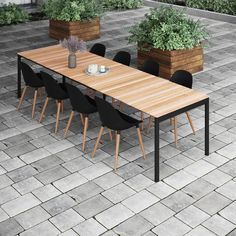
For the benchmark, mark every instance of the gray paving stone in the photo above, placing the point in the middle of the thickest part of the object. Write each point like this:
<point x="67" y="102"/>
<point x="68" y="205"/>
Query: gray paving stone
<point x="58" y="146"/>
<point x="35" y="155"/>
<point x="77" y="164"/>
<point x="135" y="225"/>
<point x="179" y="179"/>
<point x="69" y="232"/>
<point x="90" y="227"/>
<point x="3" y="215"/>
<point x="93" y="206"/>
<point x="69" y="154"/>
<point x="217" y="178"/>
<point x="157" y="213"/>
<point x="58" y="204"/>
<point x="171" y="227"/>
<point x="22" y="173"/>
<point x="7" y="194"/>
<point x="229" y="212"/>
<point x="69" y="182"/>
<point x="12" y="164"/>
<point x="178" y="201"/>
<point x="32" y="217"/>
<point x="52" y="174"/>
<point x="216" y="159"/>
<point x="192" y="216"/>
<point x="114" y="216"/>
<point x="108" y="180"/>
<point x="139" y="182"/>
<point x="45" y="228"/>
<point x="212" y="203"/>
<point x="85" y="191"/>
<point x="20" y="204"/>
<point x="10" y="227"/>
<point x="130" y="170"/>
<point x="179" y="162"/>
<point x="140" y="201"/>
<point x="46" y="192"/>
<point x="219" y="225"/>
<point x="27" y="185"/>
<point x="66" y="220"/>
<point x="229" y="168"/>
<point x="161" y="190"/>
<point x="3" y="156"/>
<point x="118" y="193"/>
<point x="228" y="190"/>
<point x="200" y="230"/>
<point x="228" y="151"/>
<point x="198" y="188"/>
<point x="232" y="233"/>
<point x="95" y="171"/>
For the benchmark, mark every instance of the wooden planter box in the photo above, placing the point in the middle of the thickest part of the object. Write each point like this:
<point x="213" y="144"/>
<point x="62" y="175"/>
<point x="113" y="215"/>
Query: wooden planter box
<point x="170" y="61"/>
<point x="86" y="30"/>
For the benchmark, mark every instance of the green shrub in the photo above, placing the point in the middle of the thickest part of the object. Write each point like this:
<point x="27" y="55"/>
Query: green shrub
<point x="121" y="4"/>
<point x="72" y="10"/>
<point x="168" y="29"/>
<point x="222" y="6"/>
<point x="12" y="14"/>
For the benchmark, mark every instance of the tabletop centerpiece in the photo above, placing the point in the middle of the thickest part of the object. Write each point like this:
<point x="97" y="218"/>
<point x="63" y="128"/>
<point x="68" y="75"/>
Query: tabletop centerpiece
<point x="172" y="39"/>
<point x="73" y="44"/>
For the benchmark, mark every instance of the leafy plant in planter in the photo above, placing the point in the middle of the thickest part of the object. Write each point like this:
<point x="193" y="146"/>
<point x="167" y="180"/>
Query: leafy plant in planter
<point x="167" y="31"/>
<point x="12" y="14"/>
<point x="74" y="17"/>
<point x="122" y="4"/>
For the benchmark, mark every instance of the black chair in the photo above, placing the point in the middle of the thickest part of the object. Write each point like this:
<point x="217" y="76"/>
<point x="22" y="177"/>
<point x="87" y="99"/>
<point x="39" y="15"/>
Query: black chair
<point x="98" y="49"/>
<point x="123" y="58"/>
<point x="117" y="121"/>
<point x="56" y="91"/>
<point x="82" y="104"/>
<point x="151" y="67"/>
<point x="184" y="78"/>
<point x="32" y="80"/>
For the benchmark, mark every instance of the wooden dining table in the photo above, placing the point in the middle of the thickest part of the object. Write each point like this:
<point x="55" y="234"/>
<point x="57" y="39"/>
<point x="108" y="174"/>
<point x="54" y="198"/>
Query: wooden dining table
<point x="153" y="95"/>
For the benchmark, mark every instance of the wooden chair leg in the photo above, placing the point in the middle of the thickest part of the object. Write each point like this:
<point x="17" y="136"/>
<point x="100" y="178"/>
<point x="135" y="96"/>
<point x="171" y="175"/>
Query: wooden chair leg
<point x="142" y="119"/>
<point x="34" y="102"/>
<point x="44" y="109"/>
<point x="85" y="132"/>
<point x="149" y="123"/>
<point x="22" y="97"/>
<point x="97" y="141"/>
<point x="82" y="118"/>
<point x="175" y="131"/>
<point x="190" y="122"/>
<point x="117" y="150"/>
<point x="58" y="115"/>
<point x="110" y="134"/>
<point x="69" y="123"/>
<point x="141" y="142"/>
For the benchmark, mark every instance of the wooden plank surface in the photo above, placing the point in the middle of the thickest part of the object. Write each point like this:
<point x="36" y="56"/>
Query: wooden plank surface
<point x="145" y="92"/>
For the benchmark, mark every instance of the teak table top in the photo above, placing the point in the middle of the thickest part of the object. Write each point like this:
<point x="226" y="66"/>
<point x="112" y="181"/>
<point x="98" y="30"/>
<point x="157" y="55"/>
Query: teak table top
<point x="150" y="94"/>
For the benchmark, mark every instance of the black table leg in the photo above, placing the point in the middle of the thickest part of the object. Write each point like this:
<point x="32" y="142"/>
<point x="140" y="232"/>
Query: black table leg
<point x="156" y="152"/>
<point x="207" y="127"/>
<point x="18" y="76"/>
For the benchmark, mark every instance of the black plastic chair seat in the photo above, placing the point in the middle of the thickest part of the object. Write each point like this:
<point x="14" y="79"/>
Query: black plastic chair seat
<point x="65" y="95"/>
<point x="130" y="120"/>
<point x="90" y="109"/>
<point x="38" y="83"/>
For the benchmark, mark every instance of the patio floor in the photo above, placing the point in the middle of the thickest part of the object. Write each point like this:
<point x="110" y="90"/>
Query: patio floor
<point x="48" y="186"/>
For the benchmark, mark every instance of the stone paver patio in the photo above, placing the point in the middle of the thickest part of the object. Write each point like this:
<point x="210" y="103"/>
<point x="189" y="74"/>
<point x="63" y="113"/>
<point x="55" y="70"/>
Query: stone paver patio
<point x="48" y="186"/>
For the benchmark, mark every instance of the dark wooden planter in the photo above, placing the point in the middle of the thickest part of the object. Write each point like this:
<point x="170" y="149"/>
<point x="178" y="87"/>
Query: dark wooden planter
<point x="170" y="61"/>
<point x="86" y="30"/>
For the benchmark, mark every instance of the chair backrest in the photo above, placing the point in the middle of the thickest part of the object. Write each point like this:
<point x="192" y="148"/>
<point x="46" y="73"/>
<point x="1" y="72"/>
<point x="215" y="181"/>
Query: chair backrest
<point x="182" y="77"/>
<point x="150" y="66"/>
<point x="78" y="100"/>
<point x="109" y="116"/>
<point x="30" y="77"/>
<point x="98" y="49"/>
<point x="53" y="89"/>
<point x="123" y="58"/>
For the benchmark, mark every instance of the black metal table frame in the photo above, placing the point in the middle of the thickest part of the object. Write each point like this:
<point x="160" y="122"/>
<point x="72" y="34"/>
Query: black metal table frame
<point x="204" y="102"/>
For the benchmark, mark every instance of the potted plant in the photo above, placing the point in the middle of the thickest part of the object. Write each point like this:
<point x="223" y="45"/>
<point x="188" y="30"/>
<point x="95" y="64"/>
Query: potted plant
<point x="73" y="17"/>
<point x="73" y="44"/>
<point x="172" y="39"/>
